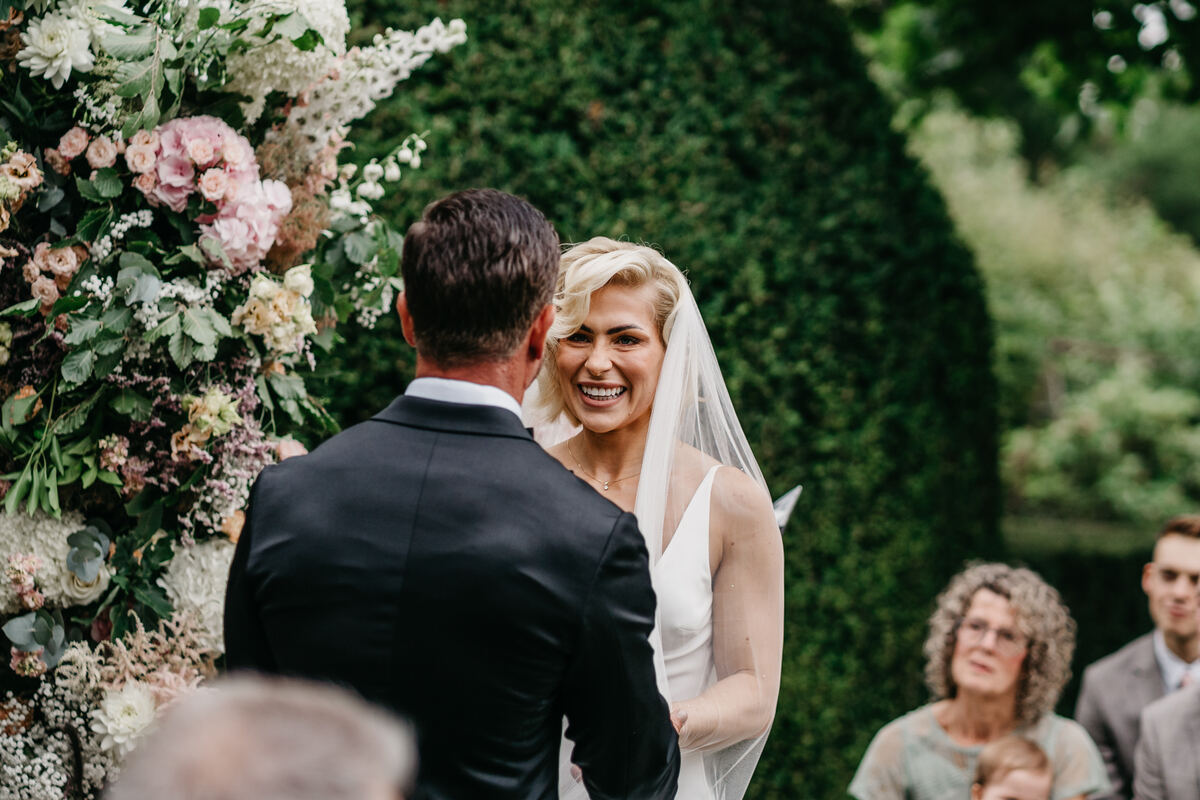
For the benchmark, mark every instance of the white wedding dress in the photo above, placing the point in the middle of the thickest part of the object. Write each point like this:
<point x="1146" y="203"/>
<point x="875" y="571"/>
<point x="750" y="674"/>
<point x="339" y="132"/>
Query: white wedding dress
<point x="683" y="583"/>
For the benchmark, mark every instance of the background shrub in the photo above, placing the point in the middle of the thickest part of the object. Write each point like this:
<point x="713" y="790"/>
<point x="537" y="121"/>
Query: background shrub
<point x="748" y="143"/>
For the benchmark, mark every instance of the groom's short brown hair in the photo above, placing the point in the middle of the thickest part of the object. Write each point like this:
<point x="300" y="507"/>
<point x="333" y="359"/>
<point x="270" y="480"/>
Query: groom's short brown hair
<point x="477" y="269"/>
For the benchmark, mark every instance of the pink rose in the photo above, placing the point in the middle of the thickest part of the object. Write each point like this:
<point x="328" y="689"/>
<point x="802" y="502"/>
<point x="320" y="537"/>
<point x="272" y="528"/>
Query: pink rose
<point x="140" y="158"/>
<point x="200" y="151"/>
<point x="101" y="153"/>
<point x="31" y="271"/>
<point x="56" y="161"/>
<point x="45" y="291"/>
<point x="120" y="144"/>
<point x="73" y="143"/>
<point x="214" y="184"/>
<point x="58" y="261"/>
<point x="145" y="138"/>
<point x="146" y="183"/>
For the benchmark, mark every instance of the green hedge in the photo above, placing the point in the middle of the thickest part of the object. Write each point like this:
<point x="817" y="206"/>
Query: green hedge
<point x="748" y="143"/>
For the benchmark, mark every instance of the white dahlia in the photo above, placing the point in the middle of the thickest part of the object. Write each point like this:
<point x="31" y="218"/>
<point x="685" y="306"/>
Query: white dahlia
<point x="54" y="45"/>
<point x="123" y="717"/>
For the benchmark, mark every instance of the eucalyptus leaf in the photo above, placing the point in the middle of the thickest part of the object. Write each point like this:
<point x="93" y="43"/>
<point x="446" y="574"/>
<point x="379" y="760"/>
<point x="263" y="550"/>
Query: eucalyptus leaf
<point x="49" y="197"/>
<point x="84" y="564"/>
<point x="19" y="631"/>
<point x="144" y="290"/>
<point x="359" y="247"/>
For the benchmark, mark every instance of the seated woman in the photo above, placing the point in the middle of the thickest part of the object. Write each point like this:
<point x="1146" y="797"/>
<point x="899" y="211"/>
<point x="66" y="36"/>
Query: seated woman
<point x="998" y="653"/>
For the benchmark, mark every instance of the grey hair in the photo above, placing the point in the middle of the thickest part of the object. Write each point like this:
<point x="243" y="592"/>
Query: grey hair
<point x="1041" y="616"/>
<point x="249" y="738"/>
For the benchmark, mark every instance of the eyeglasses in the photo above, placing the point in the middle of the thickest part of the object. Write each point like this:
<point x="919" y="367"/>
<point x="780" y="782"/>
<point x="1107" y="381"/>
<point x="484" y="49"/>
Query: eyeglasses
<point x="1009" y="643"/>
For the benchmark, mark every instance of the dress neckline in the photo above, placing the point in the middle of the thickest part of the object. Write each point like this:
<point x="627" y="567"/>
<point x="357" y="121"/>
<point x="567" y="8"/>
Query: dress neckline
<point x="703" y="488"/>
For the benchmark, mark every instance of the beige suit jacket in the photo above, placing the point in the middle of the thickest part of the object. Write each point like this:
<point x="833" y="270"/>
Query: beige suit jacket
<point x="1168" y="767"/>
<point x="1114" y="692"/>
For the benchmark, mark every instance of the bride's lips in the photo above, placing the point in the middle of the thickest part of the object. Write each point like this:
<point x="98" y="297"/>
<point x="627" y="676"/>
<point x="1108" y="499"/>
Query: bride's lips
<point x="616" y="392"/>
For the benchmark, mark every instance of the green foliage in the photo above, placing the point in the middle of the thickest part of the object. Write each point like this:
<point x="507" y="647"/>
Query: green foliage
<point x="1095" y="308"/>
<point x="747" y="141"/>
<point x="1157" y="162"/>
<point x="1058" y="68"/>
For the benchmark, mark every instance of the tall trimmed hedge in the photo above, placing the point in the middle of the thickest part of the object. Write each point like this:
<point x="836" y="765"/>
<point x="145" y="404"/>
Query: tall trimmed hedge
<point x="748" y="143"/>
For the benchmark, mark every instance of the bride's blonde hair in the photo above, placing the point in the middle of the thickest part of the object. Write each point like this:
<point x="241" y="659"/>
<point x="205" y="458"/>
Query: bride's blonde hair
<point x="584" y="270"/>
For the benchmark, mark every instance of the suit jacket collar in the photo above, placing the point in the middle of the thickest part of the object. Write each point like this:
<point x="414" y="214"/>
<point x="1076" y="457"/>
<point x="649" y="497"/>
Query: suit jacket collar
<point x="434" y="415"/>
<point x="1145" y="662"/>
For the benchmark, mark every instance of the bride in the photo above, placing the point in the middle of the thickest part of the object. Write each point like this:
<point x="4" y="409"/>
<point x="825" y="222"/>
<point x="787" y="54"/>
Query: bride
<point x="629" y="364"/>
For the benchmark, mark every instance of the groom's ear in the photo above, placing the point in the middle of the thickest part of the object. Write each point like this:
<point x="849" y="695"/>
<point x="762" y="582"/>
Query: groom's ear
<point x="406" y="321"/>
<point x="539" y="331"/>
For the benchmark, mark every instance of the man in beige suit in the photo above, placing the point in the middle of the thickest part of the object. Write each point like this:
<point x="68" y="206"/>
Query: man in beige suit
<point x="1167" y="764"/>
<point x="1119" y="686"/>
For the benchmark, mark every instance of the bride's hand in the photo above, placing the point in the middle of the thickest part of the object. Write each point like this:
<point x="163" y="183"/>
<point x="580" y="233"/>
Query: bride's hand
<point x="694" y="721"/>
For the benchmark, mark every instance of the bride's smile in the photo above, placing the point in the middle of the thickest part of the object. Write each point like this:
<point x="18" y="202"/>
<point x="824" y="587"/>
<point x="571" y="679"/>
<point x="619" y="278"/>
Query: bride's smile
<point x="609" y="367"/>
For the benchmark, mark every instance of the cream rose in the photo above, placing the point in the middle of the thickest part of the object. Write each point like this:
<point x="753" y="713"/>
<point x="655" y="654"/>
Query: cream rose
<point x="213" y="184"/>
<point x="200" y="151"/>
<point x="101" y="153"/>
<point x="77" y="593"/>
<point x="45" y="291"/>
<point x="140" y="158"/>
<point x="144" y="138"/>
<point x="299" y="280"/>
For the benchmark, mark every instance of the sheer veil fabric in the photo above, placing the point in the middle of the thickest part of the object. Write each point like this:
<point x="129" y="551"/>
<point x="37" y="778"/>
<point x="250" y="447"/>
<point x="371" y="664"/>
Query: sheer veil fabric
<point x="692" y="412"/>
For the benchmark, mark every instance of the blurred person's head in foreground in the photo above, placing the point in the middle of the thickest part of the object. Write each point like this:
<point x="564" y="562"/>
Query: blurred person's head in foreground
<point x="1012" y="768"/>
<point x="248" y="738"/>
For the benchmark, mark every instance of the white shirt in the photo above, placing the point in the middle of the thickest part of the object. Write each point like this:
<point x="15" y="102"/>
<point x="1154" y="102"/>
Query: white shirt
<point x="1172" y="667"/>
<point x="447" y="390"/>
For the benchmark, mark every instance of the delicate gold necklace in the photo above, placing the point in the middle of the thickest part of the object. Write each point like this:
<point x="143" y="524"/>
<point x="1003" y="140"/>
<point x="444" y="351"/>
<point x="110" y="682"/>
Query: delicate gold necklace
<point x="593" y="477"/>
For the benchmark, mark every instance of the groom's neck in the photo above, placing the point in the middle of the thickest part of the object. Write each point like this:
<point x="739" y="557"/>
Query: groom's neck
<point x="508" y="375"/>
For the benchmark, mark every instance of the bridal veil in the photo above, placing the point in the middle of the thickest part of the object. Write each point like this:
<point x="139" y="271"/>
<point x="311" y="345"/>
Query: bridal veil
<point x="692" y="409"/>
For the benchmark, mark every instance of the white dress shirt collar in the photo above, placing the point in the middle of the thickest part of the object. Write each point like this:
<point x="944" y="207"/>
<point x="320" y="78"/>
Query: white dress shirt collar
<point x="447" y="390"/>
<point x="1172" y="667"/>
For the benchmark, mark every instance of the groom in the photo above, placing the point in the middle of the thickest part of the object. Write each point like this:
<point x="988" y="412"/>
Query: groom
<point x="438" y="561"/>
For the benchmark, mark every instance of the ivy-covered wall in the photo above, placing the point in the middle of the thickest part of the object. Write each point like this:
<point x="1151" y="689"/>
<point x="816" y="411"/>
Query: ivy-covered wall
<point x="746" y="141"/>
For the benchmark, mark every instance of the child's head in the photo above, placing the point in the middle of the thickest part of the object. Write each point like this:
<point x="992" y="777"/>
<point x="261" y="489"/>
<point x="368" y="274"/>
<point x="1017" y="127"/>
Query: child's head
<point x="1012" y="768"/>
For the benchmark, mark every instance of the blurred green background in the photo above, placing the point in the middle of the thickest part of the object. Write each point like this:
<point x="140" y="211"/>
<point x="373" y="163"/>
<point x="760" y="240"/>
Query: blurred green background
<point x="947" y="255"/>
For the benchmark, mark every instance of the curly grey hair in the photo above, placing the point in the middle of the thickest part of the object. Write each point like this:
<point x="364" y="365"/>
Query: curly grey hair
<point x="1041" y="616"/>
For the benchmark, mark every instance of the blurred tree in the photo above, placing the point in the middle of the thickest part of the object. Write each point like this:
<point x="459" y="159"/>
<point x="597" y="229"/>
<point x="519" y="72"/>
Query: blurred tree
<point x="1062" y="69"/>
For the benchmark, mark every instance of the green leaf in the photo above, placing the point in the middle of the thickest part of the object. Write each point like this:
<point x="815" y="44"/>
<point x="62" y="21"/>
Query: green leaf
<point x="359" y="247"/>
<point x="131" y="260"/>
<point x="217" y="320"/>
<point x="108" y="343"/>
<point x="117" y="318"/>
<point x="186" y="253"/>
<point x="208" y="17"/>
<point x="145" y="289"/>
<point x="73" y="420"/>
<point x="181" y="349"/>
<point x="77" y="366"/>
<point x="81" y="330"/>
<point x="132" y="404"/>
<point x="88" y="191"/>
<point x="24" y="308"/>
<point x="110" y="477"/>
<point x="19" y="631"/>
<point x="168" y="327"/>
<point x="107" y="184"/>
<point x="49" y="197"/>
<point x="197" y="327"/>
<point x="155" y="599"/>
<point x="93" y="224"/>
<point x="67" y="304"/>
<point x="308" y="40"/>
<point x="212" y="248"/>
<point x="132" y="45"/>
<point x="17" y="491"/>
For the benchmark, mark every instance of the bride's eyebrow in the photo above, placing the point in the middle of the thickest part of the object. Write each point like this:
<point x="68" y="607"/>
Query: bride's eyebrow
<point x="611" y="331"/>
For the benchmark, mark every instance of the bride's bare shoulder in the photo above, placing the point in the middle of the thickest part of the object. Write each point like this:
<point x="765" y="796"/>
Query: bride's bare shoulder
<point x="560" y="452"/>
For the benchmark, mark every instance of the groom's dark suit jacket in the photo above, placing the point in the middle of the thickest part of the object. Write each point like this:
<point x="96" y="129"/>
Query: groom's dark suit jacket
<point x="439" y="562"/>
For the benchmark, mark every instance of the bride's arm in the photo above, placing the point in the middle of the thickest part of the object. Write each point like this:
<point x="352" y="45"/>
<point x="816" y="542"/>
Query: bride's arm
<point x="747" y="620"/>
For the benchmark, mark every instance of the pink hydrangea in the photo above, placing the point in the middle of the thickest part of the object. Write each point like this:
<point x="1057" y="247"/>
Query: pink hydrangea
<point x="246" y="228"/>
